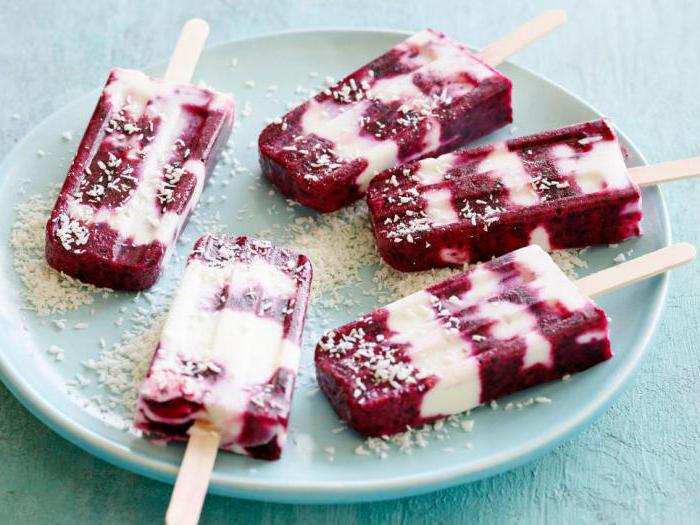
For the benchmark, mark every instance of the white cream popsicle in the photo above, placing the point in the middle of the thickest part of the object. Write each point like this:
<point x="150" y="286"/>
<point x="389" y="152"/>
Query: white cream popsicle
<point x="229" y="350"/>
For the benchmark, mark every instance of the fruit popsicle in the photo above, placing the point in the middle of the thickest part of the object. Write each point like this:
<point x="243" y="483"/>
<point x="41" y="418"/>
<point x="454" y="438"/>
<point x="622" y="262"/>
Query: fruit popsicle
<point x="425" y="96"/>
<point x="138" y="174"/>
<point x="504" y="326"/>
<point x="566" y="188"/>
<point x="230" y="347"/>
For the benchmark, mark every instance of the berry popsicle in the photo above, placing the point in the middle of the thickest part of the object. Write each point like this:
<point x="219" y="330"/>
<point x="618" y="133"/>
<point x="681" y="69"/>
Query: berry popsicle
<point x="223" y="373"/>
<point x="425" y="96"/>
<point x="506" y="325"/>
<point x="565" y="188"/>
<point x="138" y="173"/>
<point x="229" y="350"/>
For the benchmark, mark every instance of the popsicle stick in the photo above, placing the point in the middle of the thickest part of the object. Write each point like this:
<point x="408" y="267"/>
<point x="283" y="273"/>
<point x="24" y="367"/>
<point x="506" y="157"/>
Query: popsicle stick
<point x="189" y="47"/>
<point x="523" y="36"/>
<point x="666" y="171"/>
<point x="636" y="270"/>
<point x="193" y="479"/>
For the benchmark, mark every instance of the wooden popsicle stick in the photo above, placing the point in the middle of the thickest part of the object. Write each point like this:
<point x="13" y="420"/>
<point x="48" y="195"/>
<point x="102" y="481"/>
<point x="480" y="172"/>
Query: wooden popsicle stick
<point x="523" y="36"/>
<point x="636" y="270"/>
<point x="666" y="171"/>
<point x="189" y="47"/>
<point x="193" y="479"/>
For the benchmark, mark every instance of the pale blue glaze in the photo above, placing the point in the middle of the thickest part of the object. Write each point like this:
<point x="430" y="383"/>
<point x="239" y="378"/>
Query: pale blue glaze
<point x="637" y="61"/>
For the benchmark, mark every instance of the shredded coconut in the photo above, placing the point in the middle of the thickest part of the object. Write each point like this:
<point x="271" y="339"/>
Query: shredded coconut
<point x="451" y="429"/>
<point x="46" y="291"/>
<point x="569" y="262"/>
<point x="342" y="249"/>
<point x="121" y="369"/>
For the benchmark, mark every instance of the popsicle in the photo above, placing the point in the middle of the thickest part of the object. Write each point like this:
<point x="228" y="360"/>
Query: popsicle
<point x="229" y="351"/>
<point x="506" y="325"/>
<point x="565" y="188"/>
<point x="425" y="96"/>
<point x="138" y="173"/>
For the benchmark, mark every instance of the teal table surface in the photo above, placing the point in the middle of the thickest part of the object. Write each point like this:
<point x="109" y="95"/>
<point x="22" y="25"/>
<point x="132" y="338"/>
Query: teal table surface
<point x="637" y="61"/>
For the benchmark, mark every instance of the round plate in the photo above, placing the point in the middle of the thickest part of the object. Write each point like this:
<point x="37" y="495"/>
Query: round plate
<point x="500" y="440"/>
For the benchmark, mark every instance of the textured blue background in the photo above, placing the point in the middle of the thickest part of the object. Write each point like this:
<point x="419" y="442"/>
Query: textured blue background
<point x="637" y="61"/>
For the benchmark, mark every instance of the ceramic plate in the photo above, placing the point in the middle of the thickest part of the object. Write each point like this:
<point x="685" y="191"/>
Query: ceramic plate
<point x="319" y="465"/>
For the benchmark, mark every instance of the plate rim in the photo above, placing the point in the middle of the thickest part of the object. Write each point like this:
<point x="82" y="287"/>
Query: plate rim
<point x="350" y="490"/>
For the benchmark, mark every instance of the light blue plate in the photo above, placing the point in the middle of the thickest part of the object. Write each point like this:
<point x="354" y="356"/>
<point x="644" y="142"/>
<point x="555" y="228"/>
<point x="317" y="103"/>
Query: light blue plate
<point x="501" y="439"/>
